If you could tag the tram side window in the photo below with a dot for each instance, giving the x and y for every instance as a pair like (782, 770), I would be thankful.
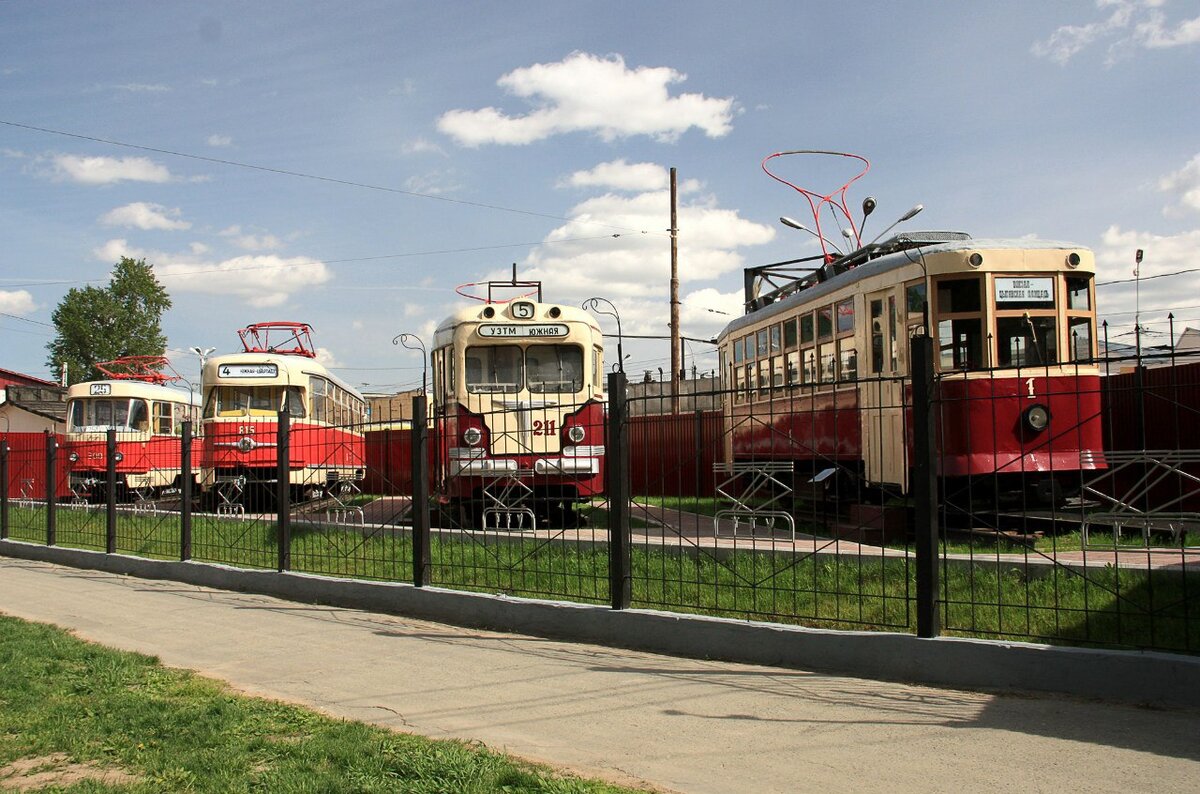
(809, 373)
(162, 419)
(493, 370)
(793, 367)
(960, 339)
(320, 399)
(763, 347)
(554, 369)
(1079, 336)
(789, 334)
(293, 401)
(737, 351)
(1026, 341)
(139, 415)
(776, 339)
(824, 323)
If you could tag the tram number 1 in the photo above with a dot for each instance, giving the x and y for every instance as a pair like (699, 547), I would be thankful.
(1029, 385)
(544, 428)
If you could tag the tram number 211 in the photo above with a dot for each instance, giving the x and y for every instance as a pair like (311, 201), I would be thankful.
(545, 428)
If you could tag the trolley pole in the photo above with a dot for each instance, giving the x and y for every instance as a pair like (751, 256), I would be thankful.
(110, 488)
(616, 476)
(422, 556)
(283, 490)
(675, 340)
(925, 486)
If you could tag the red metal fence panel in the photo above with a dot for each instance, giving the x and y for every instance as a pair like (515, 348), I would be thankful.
(673, 454)
(27, 466)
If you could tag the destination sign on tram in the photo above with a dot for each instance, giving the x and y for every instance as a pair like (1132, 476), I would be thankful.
(517, 331)
(248, 370)
(1024, 290)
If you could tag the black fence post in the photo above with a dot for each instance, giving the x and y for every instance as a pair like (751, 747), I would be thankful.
(110, 486)
(924, 486)
(422, 558)
(185, 491)
(283, 490)
(51, 488)
(4, 490)
(616, 476)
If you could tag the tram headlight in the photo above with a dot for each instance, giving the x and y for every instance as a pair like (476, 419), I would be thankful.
(118, 457)
(73, 457)
(472, 436)
(1037, 417)
(576, 434)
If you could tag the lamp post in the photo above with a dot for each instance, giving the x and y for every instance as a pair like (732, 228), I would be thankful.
(593, 305)
(407, 341)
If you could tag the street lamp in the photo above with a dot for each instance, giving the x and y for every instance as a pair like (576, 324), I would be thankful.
(406, 341)
(593, 305)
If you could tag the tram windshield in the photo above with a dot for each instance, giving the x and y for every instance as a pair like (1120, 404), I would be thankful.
(96, 415)
(545, 369)
(254, 401)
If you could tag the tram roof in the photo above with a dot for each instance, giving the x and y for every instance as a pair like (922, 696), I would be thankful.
(120, 387)
(289, 363)
(889, 262)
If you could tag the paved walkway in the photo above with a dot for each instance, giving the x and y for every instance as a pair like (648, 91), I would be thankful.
(676, 724)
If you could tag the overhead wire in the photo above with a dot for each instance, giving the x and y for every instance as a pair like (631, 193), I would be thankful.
(316, 177)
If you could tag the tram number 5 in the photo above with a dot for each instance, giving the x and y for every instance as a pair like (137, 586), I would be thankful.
(1029, 385)
(546, 428)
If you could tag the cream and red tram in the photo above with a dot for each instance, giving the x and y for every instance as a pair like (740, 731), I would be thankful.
(137, 401)
(243, 396)
(818, 371)
(519, 410)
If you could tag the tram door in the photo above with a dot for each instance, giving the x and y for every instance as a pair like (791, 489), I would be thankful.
(881, 391)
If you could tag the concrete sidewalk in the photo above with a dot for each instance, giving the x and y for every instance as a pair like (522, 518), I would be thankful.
(675, 724)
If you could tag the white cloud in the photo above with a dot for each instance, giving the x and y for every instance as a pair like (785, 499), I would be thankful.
(219, 141)
(1164, 254)
(18, 302)
(261, 281)
(1128, 26)
(326, 358)
(143, 88)
(623, 176)
(141, 215)
(107, 170)
(1184, 185)
(252, 242)
(588, 93)
(421, 146)
(434, 183)
(633, 269)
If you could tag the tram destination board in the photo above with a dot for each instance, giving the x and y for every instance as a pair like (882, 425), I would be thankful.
(513, 330)
(248, 371)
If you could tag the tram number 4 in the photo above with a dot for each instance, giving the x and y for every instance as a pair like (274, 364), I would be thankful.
(546, 428)
(1029, 385)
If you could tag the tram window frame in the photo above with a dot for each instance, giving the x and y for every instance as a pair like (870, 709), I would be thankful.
(846, 367)
(162, 419)
(1079, 316)
(825, 323)
(792, 367)
(878, 337)
(808, 333)
(569, 358)
(893, 342)
(809, 366)
(790, 336)
(763, 345)
(776, 338)
(763, 374)
(778, 379)
(916, 306)
(959, 317)
(738, 381)
(474, 386)
(1041, 348)
(737, 351)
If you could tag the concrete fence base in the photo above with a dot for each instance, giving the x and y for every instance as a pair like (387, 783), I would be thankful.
(1142, 677)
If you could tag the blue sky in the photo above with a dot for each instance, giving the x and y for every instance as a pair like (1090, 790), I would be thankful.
(349, 164)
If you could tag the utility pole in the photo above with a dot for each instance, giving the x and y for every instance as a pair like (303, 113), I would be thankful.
(675, 341)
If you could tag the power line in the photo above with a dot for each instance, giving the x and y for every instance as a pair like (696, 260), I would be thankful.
(1147, 278)
(315, 177)
(47, 282)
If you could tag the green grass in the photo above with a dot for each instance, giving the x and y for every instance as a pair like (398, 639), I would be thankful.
(175, 731)
(1116, 607)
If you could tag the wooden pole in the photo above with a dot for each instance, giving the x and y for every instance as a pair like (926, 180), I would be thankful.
(675, 342)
